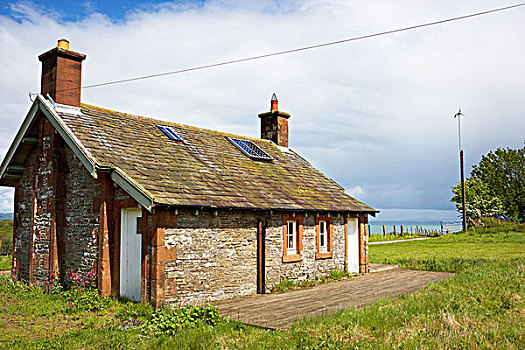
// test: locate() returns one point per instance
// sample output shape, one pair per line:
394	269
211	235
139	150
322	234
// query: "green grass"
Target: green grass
6	236
455	251
481	307
5	262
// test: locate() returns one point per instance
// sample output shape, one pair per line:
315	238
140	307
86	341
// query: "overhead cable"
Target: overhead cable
305	48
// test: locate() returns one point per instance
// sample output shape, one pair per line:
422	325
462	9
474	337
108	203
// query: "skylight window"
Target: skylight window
170	132
250	149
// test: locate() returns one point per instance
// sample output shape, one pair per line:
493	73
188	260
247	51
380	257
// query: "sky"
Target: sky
374	115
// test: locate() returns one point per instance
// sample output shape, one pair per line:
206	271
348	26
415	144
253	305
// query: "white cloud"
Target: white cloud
374	114
355	191
6	200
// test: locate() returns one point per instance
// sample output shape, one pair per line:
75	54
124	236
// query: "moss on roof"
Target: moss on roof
205	169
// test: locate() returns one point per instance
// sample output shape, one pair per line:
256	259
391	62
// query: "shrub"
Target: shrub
284	285
339	274
81	280
168	320
83	295
83	299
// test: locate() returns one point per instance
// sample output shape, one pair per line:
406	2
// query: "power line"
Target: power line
252	58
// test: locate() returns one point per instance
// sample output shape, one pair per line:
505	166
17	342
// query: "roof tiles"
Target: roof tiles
205	170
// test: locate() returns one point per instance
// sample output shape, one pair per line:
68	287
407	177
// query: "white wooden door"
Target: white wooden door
352	245
130	254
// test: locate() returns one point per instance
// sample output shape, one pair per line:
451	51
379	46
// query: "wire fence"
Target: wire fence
451	226
407	230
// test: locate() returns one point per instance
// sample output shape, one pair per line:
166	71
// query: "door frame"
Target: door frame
347	219
125	213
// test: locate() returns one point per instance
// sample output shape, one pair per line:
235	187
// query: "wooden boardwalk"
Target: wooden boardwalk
279	311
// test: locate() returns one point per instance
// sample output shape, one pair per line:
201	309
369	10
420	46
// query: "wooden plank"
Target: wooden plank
278	311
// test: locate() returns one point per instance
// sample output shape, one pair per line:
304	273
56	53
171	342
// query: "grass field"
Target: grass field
6	236
5	262
481	307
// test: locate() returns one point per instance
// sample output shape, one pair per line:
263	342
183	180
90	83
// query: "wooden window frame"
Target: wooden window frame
323	237
297	256
292	223
329	253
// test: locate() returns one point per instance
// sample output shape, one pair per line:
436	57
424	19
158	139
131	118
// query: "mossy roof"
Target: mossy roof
205	170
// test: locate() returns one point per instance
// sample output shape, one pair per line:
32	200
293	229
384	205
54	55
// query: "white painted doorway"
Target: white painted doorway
130	254
352	245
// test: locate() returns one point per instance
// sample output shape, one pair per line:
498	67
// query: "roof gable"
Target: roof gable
27	135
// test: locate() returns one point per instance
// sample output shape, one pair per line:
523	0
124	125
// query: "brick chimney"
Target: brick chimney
61	74
274	124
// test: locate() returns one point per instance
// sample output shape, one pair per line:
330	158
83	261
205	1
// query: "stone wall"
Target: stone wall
23	216
44	196
217	254
56	222
81	221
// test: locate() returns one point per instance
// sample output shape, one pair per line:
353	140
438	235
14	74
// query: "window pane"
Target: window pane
290	235
322	235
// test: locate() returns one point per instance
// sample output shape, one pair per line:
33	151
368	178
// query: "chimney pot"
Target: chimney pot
63	44
274	103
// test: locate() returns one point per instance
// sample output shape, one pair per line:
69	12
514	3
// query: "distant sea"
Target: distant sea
4	216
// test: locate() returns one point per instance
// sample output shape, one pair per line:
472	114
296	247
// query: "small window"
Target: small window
250	149
325	235
291	238
322	236
170	132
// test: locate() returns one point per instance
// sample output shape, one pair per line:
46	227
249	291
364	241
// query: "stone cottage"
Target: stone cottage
163	210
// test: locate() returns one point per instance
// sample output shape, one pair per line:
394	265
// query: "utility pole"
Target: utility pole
462	167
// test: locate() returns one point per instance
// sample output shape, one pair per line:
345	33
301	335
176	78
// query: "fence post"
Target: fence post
402	232
394	230
384	230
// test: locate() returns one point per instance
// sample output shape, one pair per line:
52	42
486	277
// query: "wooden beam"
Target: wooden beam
30	140
16	169
12	176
